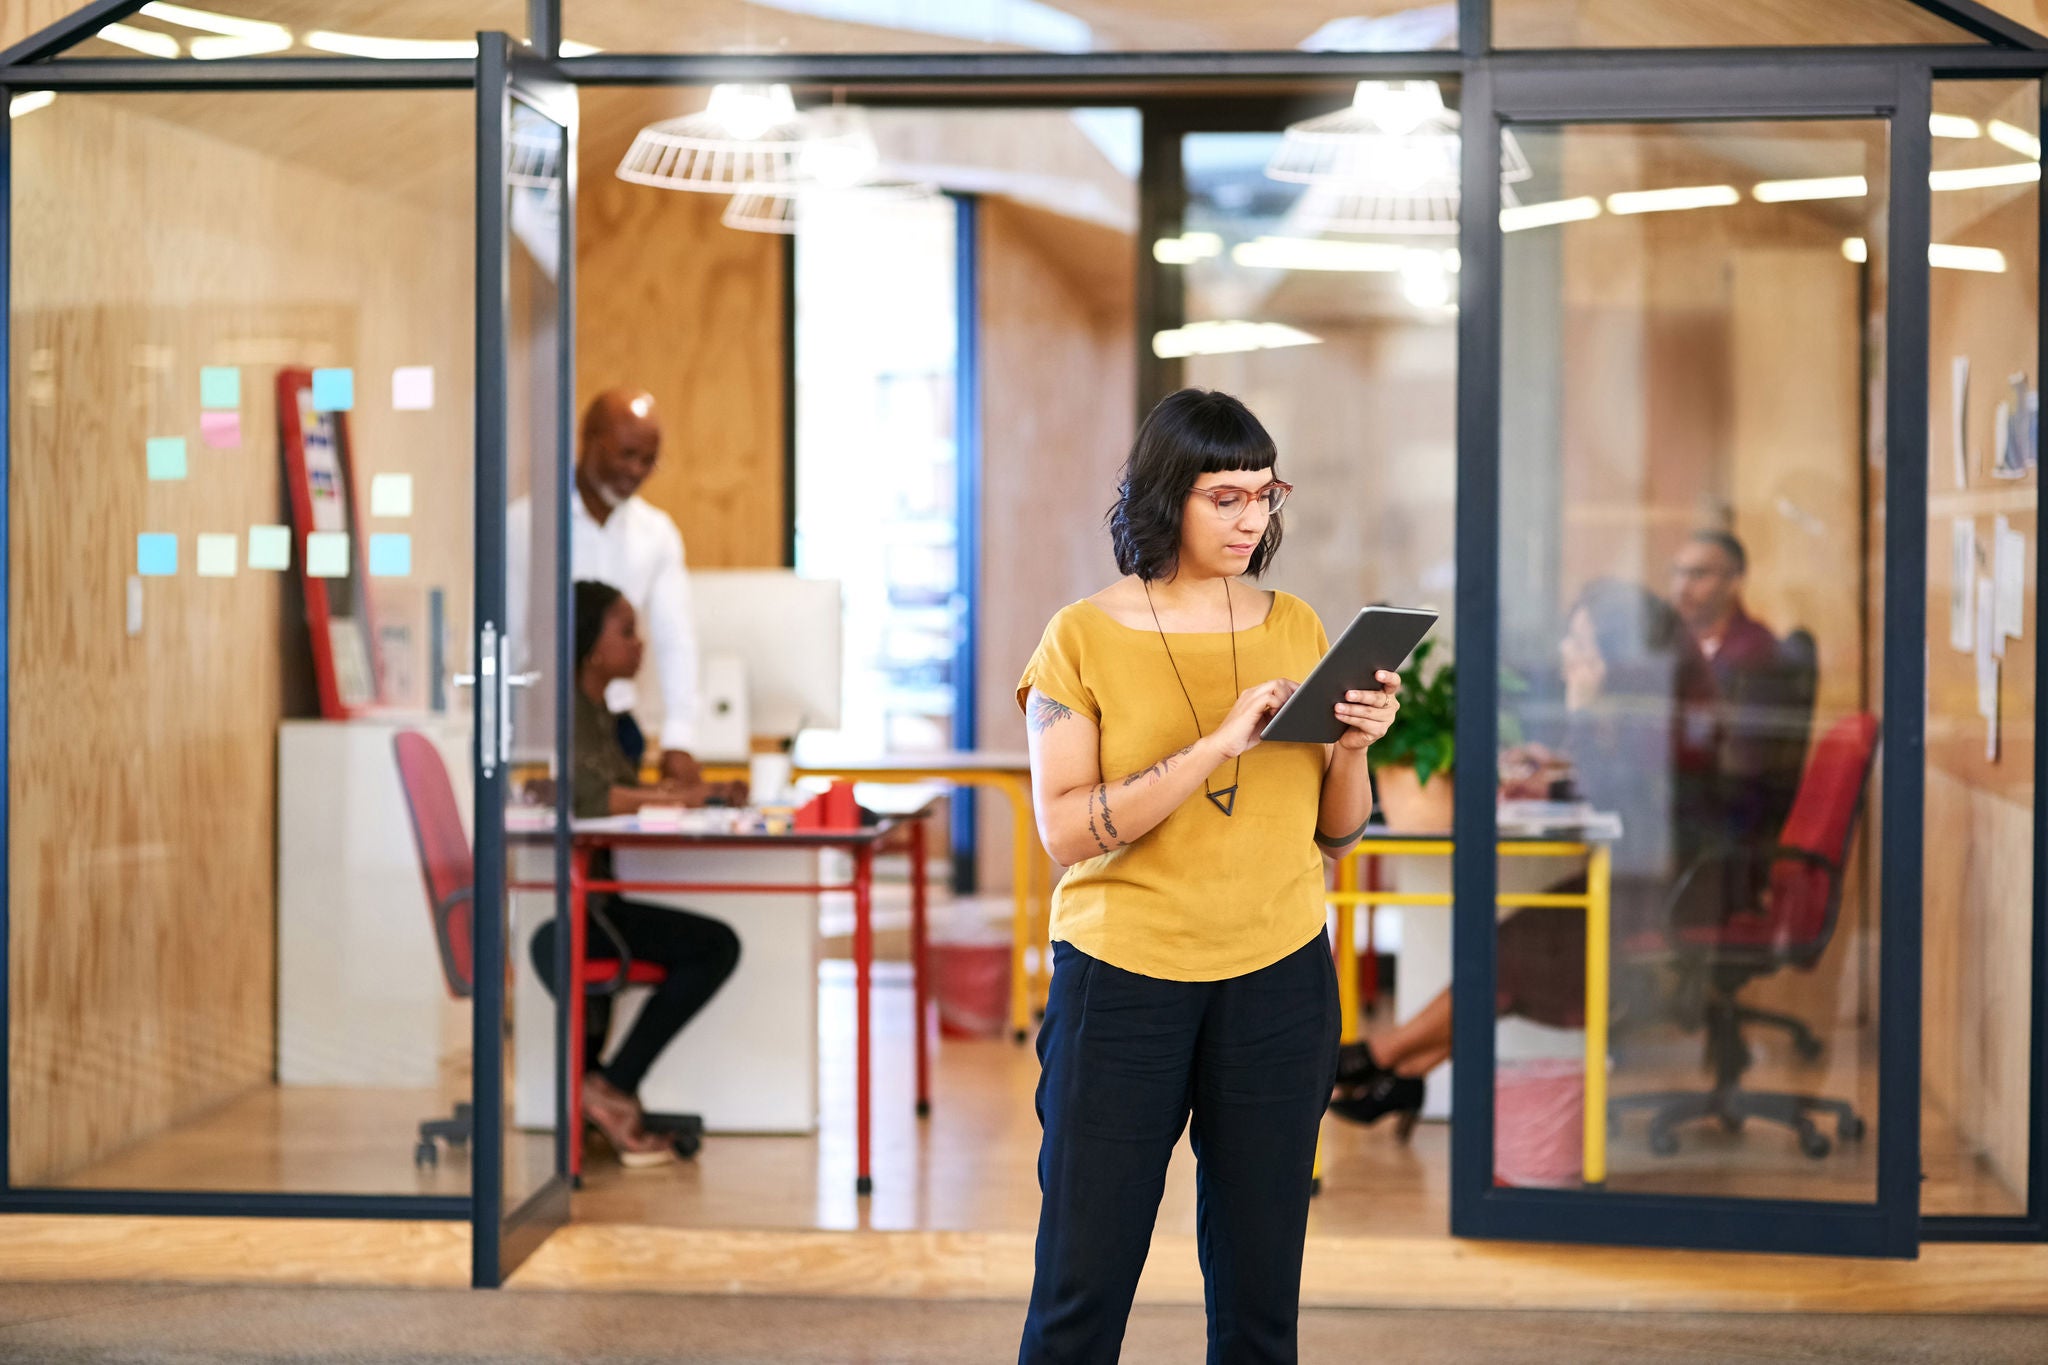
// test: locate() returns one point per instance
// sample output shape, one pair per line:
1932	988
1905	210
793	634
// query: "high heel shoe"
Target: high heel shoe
1355	1065
1382	1094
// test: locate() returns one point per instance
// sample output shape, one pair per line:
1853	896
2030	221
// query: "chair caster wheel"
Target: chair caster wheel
687	1145
426	1156
1663	1144
1815	1145
1809	1049
1850	1128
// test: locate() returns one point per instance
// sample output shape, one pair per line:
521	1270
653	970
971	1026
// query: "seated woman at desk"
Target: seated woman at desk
1640	737
698	952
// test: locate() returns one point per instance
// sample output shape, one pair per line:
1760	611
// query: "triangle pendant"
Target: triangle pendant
1225	800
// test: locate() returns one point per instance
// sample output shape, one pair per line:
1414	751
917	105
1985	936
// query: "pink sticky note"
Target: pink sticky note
221	430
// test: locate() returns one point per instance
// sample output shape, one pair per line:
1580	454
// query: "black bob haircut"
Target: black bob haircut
1189	434
593	600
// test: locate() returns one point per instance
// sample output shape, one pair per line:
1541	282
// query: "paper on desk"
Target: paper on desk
1987	661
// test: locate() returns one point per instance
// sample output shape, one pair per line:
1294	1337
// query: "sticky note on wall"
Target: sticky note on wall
334	390
327	554
391	495
166	458
412	388
221	430
220	388
270	547
156	555
215	556
390	556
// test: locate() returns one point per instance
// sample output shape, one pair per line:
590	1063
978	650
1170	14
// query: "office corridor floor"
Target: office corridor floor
143	1325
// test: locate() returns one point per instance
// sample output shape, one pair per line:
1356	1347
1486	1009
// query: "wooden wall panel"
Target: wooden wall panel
1058	373
671	301
142	900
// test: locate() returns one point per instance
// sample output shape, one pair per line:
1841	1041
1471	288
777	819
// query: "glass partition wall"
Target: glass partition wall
1682	364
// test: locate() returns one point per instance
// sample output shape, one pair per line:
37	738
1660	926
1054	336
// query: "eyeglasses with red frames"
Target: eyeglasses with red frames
1231	502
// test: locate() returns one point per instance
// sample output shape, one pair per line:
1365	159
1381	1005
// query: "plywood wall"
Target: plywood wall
671	301
1057	372
142	899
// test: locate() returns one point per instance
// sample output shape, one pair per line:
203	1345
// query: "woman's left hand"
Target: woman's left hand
1367	716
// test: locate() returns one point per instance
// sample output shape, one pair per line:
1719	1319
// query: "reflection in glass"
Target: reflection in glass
1730	23
1688	578
1983	528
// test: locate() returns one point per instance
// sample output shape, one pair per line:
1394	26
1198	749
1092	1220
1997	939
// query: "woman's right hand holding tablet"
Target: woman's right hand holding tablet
1243	728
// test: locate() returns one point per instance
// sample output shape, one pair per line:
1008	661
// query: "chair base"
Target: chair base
1734	1106
455	1130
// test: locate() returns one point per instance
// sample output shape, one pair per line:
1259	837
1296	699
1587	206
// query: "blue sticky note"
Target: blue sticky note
156	554
166	457
220	387
334	390
390	556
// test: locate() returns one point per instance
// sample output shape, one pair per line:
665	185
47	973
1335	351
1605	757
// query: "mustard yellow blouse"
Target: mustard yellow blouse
1203	896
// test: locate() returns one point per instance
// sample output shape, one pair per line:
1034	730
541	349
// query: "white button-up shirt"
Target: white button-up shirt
639	551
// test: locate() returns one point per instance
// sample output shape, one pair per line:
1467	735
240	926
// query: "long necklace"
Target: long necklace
1225	800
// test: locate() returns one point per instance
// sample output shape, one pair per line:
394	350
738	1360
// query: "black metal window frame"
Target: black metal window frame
1719	78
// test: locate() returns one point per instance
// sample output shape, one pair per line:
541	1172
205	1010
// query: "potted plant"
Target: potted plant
1411	767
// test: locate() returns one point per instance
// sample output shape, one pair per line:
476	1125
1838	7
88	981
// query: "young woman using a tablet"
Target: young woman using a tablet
1192	984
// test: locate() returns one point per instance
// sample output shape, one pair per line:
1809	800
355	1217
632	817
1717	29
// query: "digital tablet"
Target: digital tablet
1378	640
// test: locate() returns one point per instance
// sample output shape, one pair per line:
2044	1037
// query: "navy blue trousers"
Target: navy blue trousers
1245	1065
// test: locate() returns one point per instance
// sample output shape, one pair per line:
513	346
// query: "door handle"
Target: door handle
487	690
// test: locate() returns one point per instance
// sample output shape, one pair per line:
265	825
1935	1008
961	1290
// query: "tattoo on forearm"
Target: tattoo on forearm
1107	823
1093	832
1159	769
1046	713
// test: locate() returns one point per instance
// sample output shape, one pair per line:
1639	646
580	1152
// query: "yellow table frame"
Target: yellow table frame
1597	902
1030	915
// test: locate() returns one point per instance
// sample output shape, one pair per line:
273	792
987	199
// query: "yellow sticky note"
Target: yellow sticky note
391	495
217	556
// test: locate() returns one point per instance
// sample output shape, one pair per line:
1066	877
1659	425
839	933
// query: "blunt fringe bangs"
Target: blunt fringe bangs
1189	434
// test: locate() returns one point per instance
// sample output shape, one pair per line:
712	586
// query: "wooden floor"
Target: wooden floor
955	1202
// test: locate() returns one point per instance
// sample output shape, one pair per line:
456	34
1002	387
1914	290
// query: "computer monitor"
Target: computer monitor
786	631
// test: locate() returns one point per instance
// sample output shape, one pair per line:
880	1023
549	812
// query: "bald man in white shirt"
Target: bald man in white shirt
616	537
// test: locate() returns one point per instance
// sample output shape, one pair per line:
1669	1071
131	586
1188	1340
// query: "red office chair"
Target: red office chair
1790	924
448	869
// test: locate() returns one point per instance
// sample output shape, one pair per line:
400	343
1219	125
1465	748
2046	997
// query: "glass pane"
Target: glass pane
535	461
963	26
1982	533
877	455
1689	575
1350	362
224	971
306	28
1732	23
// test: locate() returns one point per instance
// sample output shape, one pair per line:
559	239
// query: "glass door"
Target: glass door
526	123
1687	1000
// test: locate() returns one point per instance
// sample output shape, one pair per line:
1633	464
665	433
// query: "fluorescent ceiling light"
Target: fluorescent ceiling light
395	49
206	21
1979	258
1016	23
1187	248
249	45
1983	259
30	102
1425	282
148	42
1524	216
1311	253
1986	177
1682	197
1953	125
1826	187
571	48
2017	139
1226	338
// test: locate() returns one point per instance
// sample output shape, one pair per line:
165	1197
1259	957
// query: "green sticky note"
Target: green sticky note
270	547
220	387
166	458
327	554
